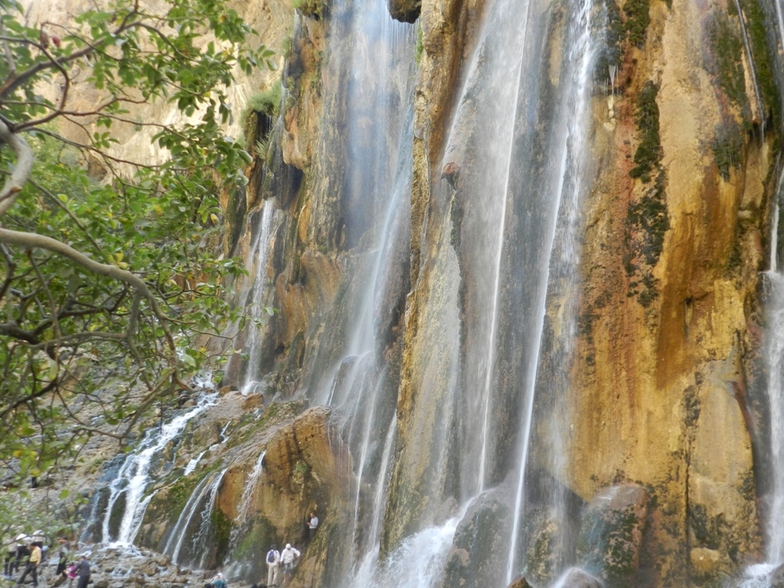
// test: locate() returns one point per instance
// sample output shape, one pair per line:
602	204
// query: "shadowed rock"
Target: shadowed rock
405	10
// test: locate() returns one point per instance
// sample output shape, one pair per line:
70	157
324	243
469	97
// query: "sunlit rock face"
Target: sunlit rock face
643	362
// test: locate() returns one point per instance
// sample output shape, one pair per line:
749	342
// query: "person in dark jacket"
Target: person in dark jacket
62	560
83	572
22	552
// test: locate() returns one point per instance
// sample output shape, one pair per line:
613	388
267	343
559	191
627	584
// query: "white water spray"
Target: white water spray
133	477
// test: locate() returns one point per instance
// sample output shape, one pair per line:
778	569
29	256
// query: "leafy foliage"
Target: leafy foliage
108	265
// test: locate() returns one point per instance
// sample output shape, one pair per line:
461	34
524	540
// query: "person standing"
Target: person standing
32	565
289	557
71	574
62	560
10	557
273	566
83	572
22	552
312	523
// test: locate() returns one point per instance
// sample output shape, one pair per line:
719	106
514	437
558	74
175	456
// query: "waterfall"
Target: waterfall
417	563
373	57
236	568
563	262
201	500
257	311
750	57
133	477
191	467
774	359
247	491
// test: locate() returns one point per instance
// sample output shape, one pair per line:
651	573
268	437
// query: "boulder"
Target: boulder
405	10
519	582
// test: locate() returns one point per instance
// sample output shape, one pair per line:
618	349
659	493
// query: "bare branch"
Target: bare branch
52	306
63	98
9	272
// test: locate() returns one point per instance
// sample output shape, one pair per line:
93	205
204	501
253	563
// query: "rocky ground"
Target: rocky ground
120	567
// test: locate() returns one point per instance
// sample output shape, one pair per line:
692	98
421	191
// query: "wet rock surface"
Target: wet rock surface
611	534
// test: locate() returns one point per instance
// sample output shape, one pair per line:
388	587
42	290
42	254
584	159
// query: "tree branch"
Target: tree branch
24	166
31	240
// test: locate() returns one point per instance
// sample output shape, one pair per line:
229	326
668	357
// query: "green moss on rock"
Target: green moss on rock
727	46
727	147
316	9
646	118
637	20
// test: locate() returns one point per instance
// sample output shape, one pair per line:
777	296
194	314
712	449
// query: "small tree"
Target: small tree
107	277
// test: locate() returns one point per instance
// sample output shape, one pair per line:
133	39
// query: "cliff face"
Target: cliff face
667	355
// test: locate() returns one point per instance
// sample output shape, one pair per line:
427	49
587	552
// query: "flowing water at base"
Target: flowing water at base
417	563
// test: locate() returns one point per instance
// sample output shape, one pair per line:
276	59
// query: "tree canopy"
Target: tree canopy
108	264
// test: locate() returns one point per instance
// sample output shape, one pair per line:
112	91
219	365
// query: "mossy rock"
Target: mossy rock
611	534
315	9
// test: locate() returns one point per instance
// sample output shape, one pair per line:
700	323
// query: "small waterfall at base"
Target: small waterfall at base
202	501
133	477
235	568
417	563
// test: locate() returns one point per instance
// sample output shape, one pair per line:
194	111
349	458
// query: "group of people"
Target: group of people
275	560
33	552
279	563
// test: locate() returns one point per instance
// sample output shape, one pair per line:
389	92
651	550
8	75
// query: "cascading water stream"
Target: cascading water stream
133	477
235	567
752	70
758	576
373	56
774	358
260	252
204	495
567	197
250	486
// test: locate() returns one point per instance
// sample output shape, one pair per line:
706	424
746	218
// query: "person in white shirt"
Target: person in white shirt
312	526
289	557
